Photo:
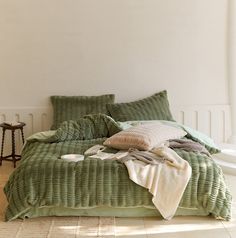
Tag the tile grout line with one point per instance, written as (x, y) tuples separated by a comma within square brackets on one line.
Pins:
[(50, 228), (114, 224), (225, 228), (145, 227), (19, 230), (77, 228), (99, 227)]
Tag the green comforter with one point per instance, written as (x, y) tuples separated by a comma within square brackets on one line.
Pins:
[(43, 179)]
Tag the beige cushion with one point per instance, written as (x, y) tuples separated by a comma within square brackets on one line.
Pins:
[(144, 137)]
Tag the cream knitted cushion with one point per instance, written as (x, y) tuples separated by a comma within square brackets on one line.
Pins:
[(144, 137)]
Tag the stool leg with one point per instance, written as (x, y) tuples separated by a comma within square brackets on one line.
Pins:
[(3, 138), (13, 147), (22, 135)]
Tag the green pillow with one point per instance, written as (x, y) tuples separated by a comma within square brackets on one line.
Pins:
[(73, 107), (155, 107)]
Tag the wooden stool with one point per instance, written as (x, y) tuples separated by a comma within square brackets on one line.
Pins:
[(12, 128)]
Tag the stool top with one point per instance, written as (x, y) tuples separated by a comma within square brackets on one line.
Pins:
[(10, 126)]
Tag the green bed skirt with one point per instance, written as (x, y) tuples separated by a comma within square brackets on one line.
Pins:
[(108, 211)]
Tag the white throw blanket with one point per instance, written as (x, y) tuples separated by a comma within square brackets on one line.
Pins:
[(165, 181)]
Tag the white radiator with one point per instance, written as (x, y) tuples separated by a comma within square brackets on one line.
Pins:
[(212, 120), (215, 121)]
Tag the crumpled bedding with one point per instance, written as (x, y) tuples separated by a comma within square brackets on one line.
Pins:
[(44, 180)]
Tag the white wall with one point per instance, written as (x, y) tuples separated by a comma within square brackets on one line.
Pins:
[(132, 48)]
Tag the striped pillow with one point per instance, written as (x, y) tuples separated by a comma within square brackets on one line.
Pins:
[(73, 107), (155, 107), (144, 137)]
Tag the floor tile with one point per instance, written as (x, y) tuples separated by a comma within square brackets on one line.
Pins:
[(232, 234), (130, 227), (216, 233), (88, 227), (182, 225), (106, 227)]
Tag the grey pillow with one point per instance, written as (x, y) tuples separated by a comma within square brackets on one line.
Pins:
[(74, 107), (155, 107)]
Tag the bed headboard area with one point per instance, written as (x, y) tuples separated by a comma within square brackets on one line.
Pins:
[(213, 120)]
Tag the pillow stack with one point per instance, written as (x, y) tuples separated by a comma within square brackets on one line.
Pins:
[(155, 107)]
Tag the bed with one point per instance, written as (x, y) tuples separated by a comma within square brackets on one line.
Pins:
[(45, 185)]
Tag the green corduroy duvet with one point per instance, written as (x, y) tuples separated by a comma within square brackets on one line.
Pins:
[(44, 180)]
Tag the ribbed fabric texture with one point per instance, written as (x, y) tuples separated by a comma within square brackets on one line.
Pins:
[(43, 179), (73, 107), (86, 128), (144, 137), (155, 107), (207, 187)]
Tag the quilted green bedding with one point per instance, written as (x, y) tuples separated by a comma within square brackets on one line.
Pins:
[(42, 179)]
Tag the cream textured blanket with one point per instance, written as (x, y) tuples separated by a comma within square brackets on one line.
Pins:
[(165, 181)]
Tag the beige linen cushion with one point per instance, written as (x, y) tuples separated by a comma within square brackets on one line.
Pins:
[(144, 137)]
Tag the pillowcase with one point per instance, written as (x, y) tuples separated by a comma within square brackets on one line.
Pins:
[(144, 137), (73, 107), (155, 107)]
